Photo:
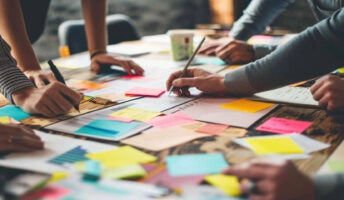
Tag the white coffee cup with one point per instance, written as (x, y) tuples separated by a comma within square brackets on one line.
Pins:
[(181, 43)]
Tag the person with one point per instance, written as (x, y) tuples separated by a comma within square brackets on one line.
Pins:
[(18, 138), (316, 51), (13, 30), (281, 180), (50, 100), (234, 49)]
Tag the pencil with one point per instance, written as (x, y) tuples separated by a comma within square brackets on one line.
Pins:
[(60, 79), (188, 63)]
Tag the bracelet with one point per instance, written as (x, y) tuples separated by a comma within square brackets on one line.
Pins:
[(97, 52)]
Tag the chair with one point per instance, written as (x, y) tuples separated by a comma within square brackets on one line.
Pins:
[(72, 36)]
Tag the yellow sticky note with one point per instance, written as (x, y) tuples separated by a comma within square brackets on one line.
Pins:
[(280, 145), (246, 105), (136, 114), (341, 70), (58, 175), (228, 184), (121, 156), (5, 120), (124, 172)]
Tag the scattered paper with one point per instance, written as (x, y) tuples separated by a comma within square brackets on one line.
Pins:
[(282, 145), (135, 113), (228, 184), (246, 105), (87, 85), (13, 112), (113, 97), (175, 119), (5, 120), (157, 140), (124, 172), (283, 126), (121, 156), (195, 164), (213, 129), (147, 92)]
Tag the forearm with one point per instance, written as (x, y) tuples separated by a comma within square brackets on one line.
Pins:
[(11, 78), (314, 52), (329, 187), (12, 28), (94, 12), (258, 15)]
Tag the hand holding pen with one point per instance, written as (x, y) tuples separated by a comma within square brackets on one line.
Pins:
[(60, 78), (188, 64)]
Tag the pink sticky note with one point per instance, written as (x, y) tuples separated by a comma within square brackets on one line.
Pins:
[(141, 91), (49, 192), (175, 119), (121, 119), (283, 126), (213, 129)]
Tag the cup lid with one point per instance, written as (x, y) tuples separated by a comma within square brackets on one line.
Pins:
[(180, 32)]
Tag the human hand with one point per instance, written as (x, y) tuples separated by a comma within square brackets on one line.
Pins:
[(210, 46), (40, 78), (273, 180), (201, 79), (18, 138), (128, 65), (51, 100), (235, 52), (329, 92)]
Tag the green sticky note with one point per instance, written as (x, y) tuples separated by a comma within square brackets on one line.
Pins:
[(209, 61), (13, 112), (336, 165)]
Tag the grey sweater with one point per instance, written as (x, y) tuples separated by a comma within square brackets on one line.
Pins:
[(11, 78)]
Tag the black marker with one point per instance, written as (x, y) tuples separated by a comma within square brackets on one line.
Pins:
[(60, 79)]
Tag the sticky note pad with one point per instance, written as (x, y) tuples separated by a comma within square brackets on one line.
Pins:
[(136, 114), (246, 105), (5, 120), (283, 126), (213, 129), (124, 172), (195, 164), (228, 184), (58, 175), (279, 145), (147, 92), (13, 112), (87, 85), (107, 128), (125, 155)]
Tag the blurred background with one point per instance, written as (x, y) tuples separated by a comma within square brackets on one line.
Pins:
[(158, 16)]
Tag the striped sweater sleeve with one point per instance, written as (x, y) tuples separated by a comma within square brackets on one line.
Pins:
[(11, 78)]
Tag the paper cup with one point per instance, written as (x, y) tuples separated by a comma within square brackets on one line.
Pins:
[(181, 44)]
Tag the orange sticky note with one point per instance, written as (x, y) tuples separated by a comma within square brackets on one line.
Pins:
[(88, 85), (246, 105), (213, 129), (148, 92)]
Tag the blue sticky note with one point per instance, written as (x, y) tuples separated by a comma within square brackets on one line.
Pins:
[(93, 169), (107, 128), (13, 112), (209, 61), (196, 164)]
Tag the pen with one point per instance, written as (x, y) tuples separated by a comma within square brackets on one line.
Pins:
[(60, 78), (188, 63)]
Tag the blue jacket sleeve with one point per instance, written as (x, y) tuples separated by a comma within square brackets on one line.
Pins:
[(316, 51), (258, 15)]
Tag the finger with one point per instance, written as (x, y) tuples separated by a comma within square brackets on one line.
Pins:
[(62, 103), (185, 91), (126, 67), (318, 83), (137, 69), (320, 92), (39, 82), (50, 77), (70, 95), (171, 78), (185, 82), (249, 173), (44, 109), (95, 67), (16, 148), (323, 101)]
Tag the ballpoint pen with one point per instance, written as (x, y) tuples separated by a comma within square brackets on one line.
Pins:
[(60, 78), (188, 63)]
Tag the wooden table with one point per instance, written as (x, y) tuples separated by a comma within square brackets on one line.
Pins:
[(326, 127)]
